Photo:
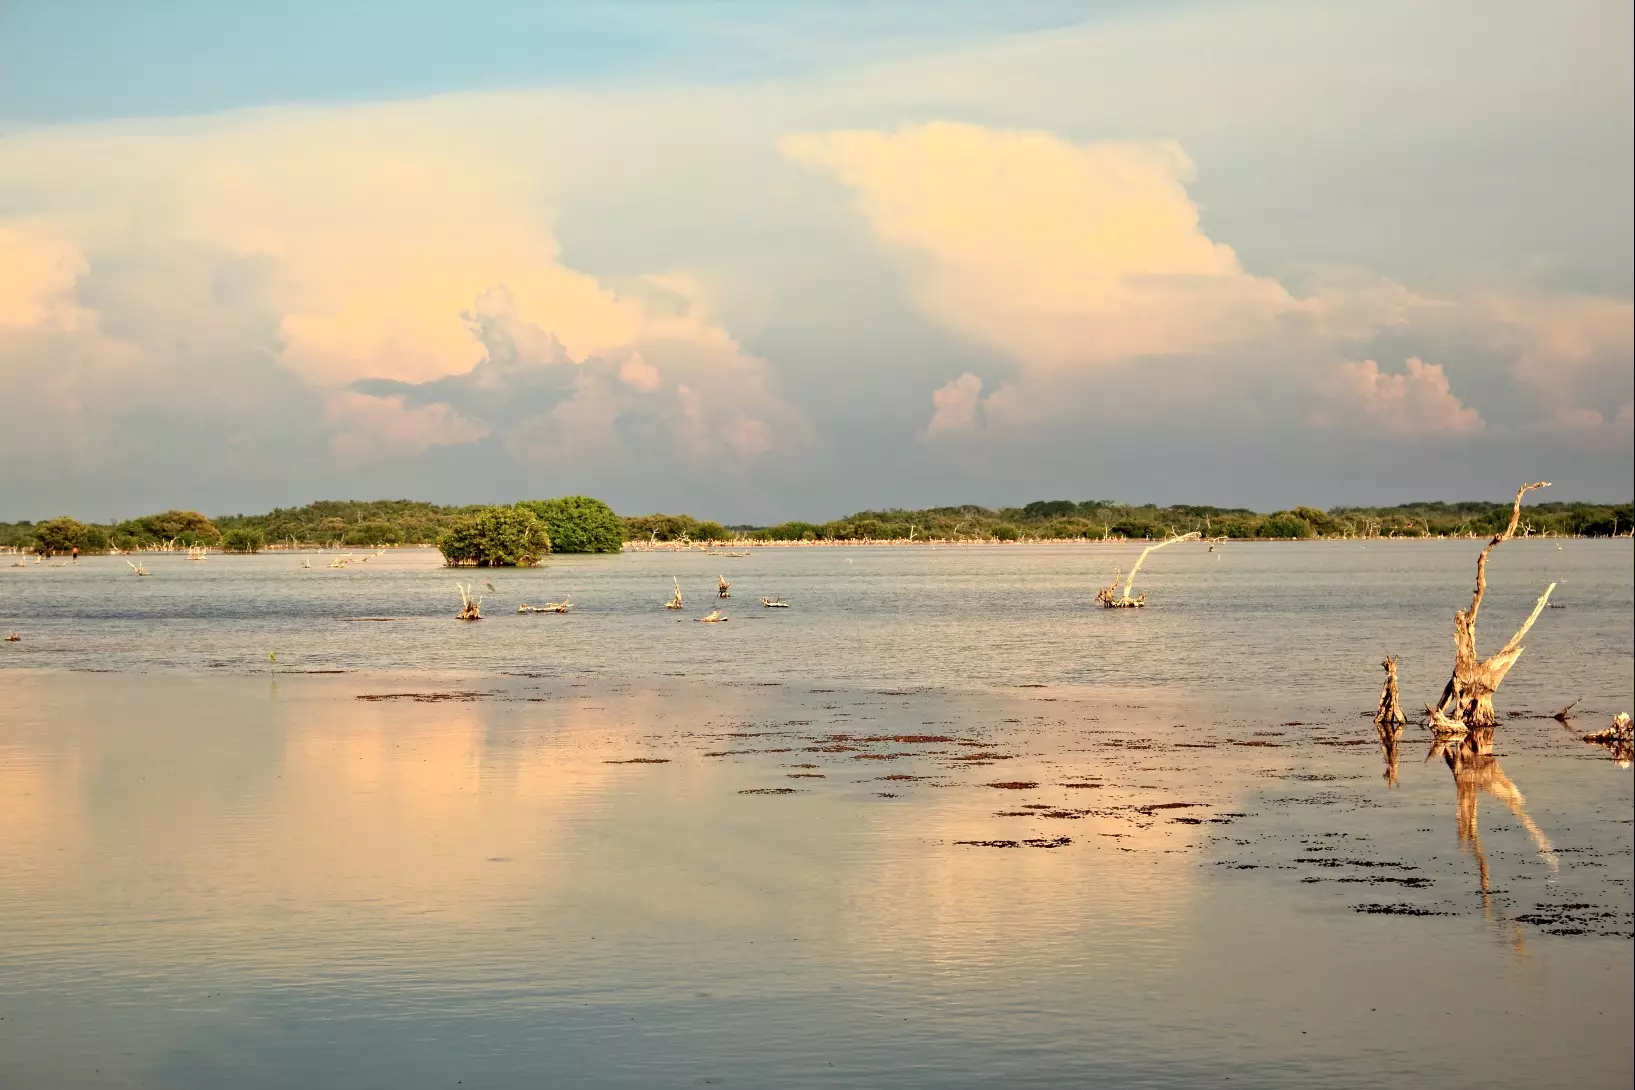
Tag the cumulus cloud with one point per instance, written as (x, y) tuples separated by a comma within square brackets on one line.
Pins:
[(1418, 402), (403, 272), (1064, 256)]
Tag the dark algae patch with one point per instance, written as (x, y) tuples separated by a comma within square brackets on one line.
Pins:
[(768, 791), (640, 761), (1013, 785), (1398, 910)]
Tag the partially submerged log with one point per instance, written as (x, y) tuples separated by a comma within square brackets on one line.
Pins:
[(675, 596), (471, 609), (714, 616), (1110, 595), (773, 603), (1467, 700), (549, 607), (1390, 709), (723, 588), (1618, 739)]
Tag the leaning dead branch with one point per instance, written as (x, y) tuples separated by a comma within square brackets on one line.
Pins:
[(137, 568), (723, 588), (675, 596), (1467, 700), (471, 609), (1565, 713), (1390, 709), (1110, 595)]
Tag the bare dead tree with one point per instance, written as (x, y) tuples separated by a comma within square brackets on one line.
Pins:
[(1467, 700), (1110, 595)]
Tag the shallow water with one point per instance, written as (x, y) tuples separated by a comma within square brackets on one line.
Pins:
[(430, 872)]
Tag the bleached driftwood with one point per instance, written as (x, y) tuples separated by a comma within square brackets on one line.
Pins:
[(675, 597), (1110, 595), (723, 588), (714, 617), (1467, 700), (773, 603), (137, 568), (471, 609), (549, 607)]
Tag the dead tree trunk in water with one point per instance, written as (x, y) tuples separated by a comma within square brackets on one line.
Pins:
[(723, 588), (1467, 700), (471, 609), (1112, 598), (1390, 710)]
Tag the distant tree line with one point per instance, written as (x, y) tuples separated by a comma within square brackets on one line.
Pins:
[(580, 524), (1057, 520)]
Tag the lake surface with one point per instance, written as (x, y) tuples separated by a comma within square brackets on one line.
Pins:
[(943, 822)]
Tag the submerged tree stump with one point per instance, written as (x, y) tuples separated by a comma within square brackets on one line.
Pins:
[(471, 609), (1390, 709), (1113, 598), (675, 596), (1467, 700), (723, 588)]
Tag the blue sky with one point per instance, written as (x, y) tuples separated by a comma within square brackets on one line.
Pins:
[(760, 260), (63, 60)]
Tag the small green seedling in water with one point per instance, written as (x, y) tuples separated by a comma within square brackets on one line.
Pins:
[(272, 657)]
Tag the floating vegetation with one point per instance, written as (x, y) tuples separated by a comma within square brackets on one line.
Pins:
[(769, 791), (425, 698), (1399, 910), (640, 761), (1013, 785)]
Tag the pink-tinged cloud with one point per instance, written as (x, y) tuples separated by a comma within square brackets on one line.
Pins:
[(1418, 402), (954, 405)]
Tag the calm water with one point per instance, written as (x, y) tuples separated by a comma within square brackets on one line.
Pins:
[(441, 868)]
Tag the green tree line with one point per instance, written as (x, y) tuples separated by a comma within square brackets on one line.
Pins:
[(579, 524)]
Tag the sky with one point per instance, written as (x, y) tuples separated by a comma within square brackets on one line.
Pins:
[(758, 260)]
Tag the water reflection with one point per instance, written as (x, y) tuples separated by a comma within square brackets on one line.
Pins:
[(1476, 770), (1389, 737)]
